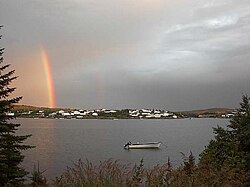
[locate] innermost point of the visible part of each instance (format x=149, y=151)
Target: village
x=114, y=114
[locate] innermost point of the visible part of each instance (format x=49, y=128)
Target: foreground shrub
x=37, y=177
x=113, y=173
x=107, y=173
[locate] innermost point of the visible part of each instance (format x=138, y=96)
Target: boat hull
x=151, y=145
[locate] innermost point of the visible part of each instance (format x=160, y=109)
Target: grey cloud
x=136, y=53
x=215, y=38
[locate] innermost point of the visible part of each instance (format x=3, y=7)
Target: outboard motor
x=126, y=145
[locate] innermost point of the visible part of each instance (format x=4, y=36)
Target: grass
x=112, y=173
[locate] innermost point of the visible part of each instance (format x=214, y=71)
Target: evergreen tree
x=11, y=145
x=231, y=147
x=189, y=164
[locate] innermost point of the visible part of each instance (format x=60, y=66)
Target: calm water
x=61, y=142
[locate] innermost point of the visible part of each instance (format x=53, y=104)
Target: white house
x=157, y=115
x=60, y=111
x=109, y=111
x=10, y=114
x=76, y=112
x=165, y=114
x=146, y=111
x=65, y=114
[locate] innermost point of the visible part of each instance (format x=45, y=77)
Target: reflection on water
x=44, y=137
x=61, y=142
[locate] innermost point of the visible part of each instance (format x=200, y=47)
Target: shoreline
x=117, y=119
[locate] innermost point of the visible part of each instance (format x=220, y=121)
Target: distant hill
x=27, y=107
x=210, y=111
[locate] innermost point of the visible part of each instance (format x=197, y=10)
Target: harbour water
x=61, y=142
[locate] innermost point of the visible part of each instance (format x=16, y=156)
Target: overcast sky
x=165, y=54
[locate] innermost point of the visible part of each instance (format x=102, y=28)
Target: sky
x=165, y=54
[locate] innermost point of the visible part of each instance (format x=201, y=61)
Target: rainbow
x=49, y=77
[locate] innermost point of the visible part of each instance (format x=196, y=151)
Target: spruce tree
x=231, y=147
x=11, y=144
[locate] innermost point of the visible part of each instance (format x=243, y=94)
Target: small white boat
x=147, y=145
